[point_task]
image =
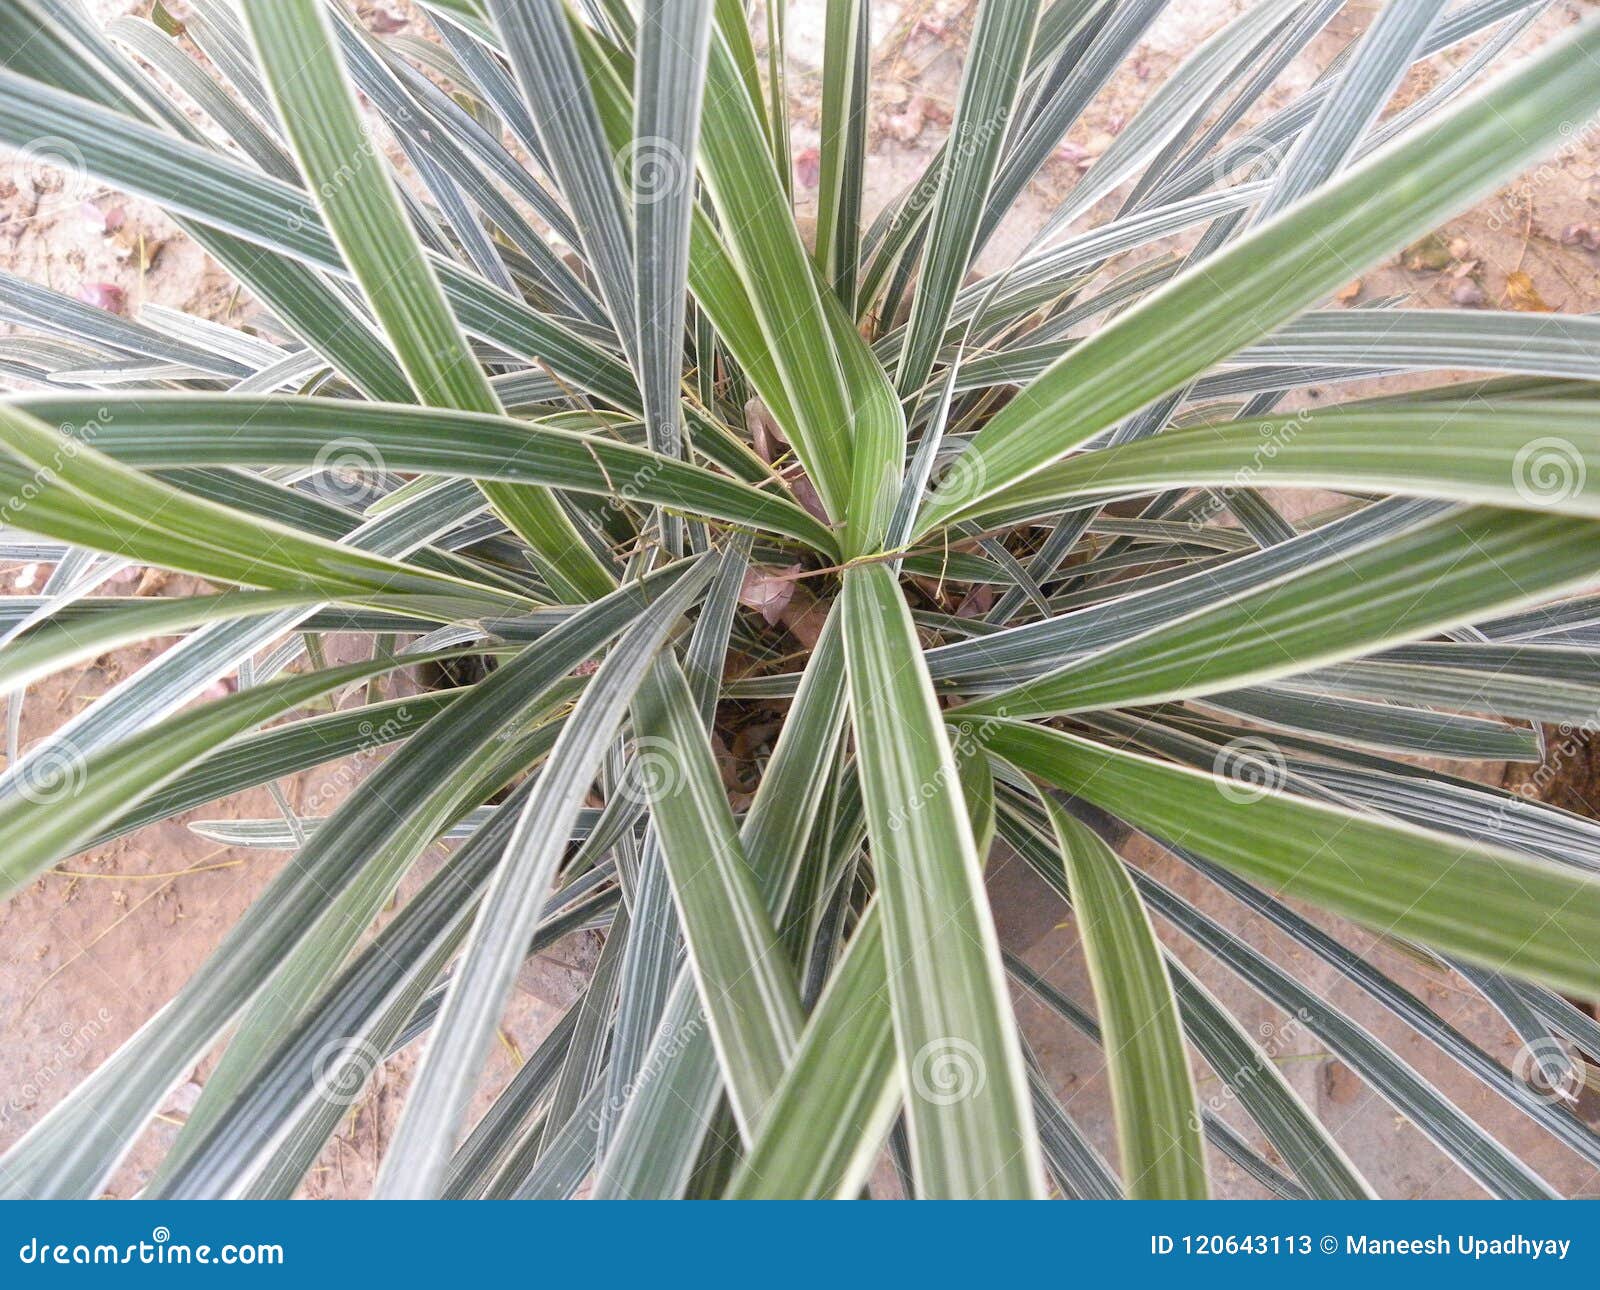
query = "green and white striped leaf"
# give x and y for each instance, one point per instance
(1394, 878)
(167, 430)
(1459, 566)
(967, 1105)
(669, 80)
(63, 487)
(74, 1148)
(1533, 455)
(420, 1151)
(1152, 1089)
(990, 82)
(746, 984)
(1242, 293)
(303, 69)
(846, 70)
(844, 1077)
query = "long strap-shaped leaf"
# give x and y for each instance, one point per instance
(758, 231)
(1532, 455)
(159, 430)
(1350, 963)
(297, 1089)
(968, 1109)
(1289, 1124)
(372, 837)
(846, 68)
(1363, 339)
(850, 1029)
(1152, 1089)
(1097, 51)
(1171, 107)
(865, 462)
(261, 212)
(990, 81)
(828, 1118)
(60, 644)
(1506, 911)
(287, 749)
(419, 1154)
(1499, 1171)
(664, 1119)
(82, 496)
(300, 58)
(1380, 62)
(550, 75)
(1249, 1073)
(746, 983)
(316, 951)
(669, 82)
(1243, 292)
(69, 796)
(898, 230)
(56, 44)
(1461, 566)
(1020, 652)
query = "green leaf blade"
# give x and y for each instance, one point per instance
(1152, 1088)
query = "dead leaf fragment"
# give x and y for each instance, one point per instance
(808, 167)
(1523, 295)
(1430, 255)
(768, 591)
(104, 295)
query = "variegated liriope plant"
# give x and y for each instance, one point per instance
(539, 278)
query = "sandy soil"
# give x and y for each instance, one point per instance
(96, 946)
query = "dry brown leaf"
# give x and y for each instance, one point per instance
(1523, 295)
